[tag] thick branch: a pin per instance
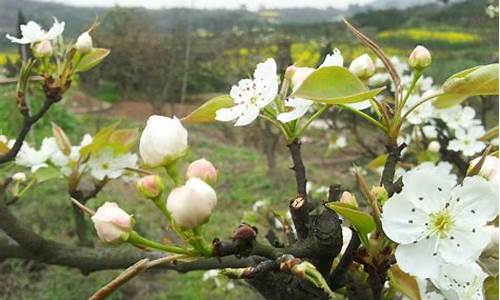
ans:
(299, 207)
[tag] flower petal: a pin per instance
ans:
(250, 113)
(402, 221)
(476, 200)
(418, 259)
(464, 243)
(427, 189)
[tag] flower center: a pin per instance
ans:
(441, 222)
(105, 166)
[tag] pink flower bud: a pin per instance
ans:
(150, 186)
(43, 48)
(113, 225)
(202, 169)
(348, 198)
(420, 58)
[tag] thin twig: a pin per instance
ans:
(131, 272)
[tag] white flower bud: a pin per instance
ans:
(113, 225)
(19, 177)
(362, 66)
(299, 75)
(420, 58)
(202, 169)
(489, 169)
(163, 141)
(492, 247)
(191, 204)
(84, 43)
(434, 147)
(43, 48)
(150, 186)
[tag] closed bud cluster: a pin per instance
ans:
(113, 224)
(150, 186)
(191, 204)
(420, 58)
(202, 169)
(362, 66)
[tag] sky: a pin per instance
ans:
(229, 4)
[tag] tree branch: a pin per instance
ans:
(299, 207)
(387, 180)
(27, 124)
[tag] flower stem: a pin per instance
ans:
(137, 239)
(173, 172)
(415, 77)
(364, 116)
(311, 119)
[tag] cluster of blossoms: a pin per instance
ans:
(251, 96)
(442, 229)
(40, 40)
(462, 129)
(189, 203)
(105, 164)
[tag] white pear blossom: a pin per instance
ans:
(163, 140)
(84, 43)
(19, 177)
(251, 95)
(333, 59)
(467, 140)
(32, 33)
(67, 163)
(434, 221)
(422, 113)
(36, 159)
(424, 287)
(191, 204)
(461, 282)
(106, 164)
(299, 107)
(459, 117)
(362, 66)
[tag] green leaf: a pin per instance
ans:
(100, 140)
(123, 140)
(479, 80)
(404, 283)
(91, 59)
(206, 112)
(377, 162)
(491, 288)
(334, 85)
(362, 221)
(46, 173)
(62, 140)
